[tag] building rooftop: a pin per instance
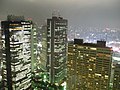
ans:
(98, 44)
(15, 18)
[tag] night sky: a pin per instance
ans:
(90, 13)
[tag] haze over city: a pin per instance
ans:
(88, 13)
(60, 45)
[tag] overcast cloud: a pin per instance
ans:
(78, 12)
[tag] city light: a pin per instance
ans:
(59, 45)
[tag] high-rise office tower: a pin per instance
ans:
(34, 44)
(40, 63)
(88, 65)
(116, 79)
(0, 50)
(43, 48)
(16, 38)
(0, 59)
(56, 49)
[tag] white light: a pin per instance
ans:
(64, 84)
(0, 78)
(116, 58)
(39, 45)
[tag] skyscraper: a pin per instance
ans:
(56, 49)
(0, 59)
(40, 72)
(116, 81)
(43, 48)
(34, 44)
(16, 38)
(89, 65)
(0, 49)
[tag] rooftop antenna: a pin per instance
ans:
(59, 13)
(54, 13)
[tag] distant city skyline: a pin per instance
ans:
(96, 13)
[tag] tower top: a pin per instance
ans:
(56, 13)
(15, 18)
